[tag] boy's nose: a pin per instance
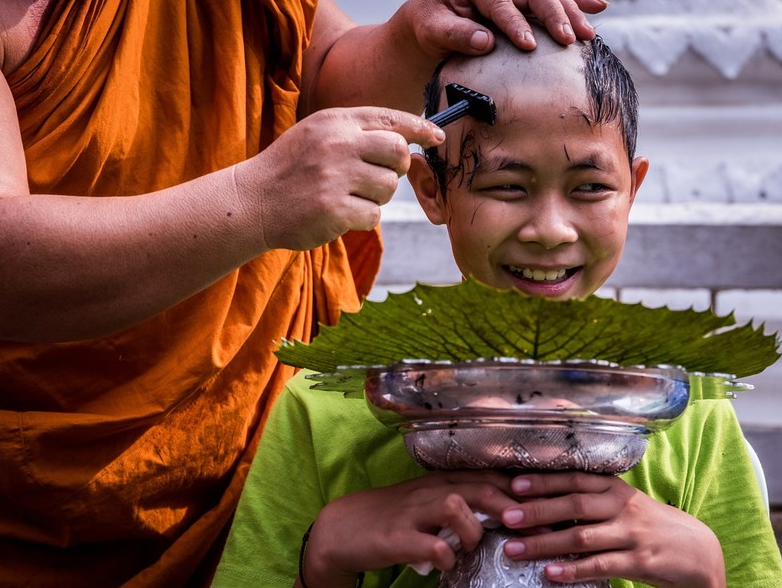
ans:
(550, 224)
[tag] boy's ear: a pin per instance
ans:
(421, 178)
(638, 173)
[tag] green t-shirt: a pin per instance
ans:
(318, 446)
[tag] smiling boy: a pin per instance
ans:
(539, 202)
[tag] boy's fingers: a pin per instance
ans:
(499, 479)
(557, 483)
(596, 567)
(462, 521)
(490, 500)
(442, 555)
(580, 507)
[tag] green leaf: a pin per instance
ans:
(471, 321)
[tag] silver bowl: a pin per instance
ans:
(514, 414)
(511, 414)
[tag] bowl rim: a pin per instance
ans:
(423, 408)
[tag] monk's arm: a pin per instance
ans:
(74, 267)
(77, 267)
(389, 64)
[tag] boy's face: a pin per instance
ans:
(542, 201)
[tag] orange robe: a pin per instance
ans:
(122, 459)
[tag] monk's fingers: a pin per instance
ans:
(386, 149)
(380, 158)
(592, 6)
(354, 213)
(508, 17)
(374, 183)
(566, 19)
(412, 128)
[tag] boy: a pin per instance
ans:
(540, 202)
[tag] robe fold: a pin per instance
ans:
(122, 458)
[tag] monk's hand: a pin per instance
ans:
(398, 524)
(329, 174)
(619, 531)
(442, 27)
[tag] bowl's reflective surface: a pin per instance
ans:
(500, 414)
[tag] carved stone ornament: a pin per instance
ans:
(725, 41)
(709, 76)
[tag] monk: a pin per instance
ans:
(177, 193)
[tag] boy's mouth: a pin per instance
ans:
(539, 275)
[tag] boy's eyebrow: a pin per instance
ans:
(590, 161)
(490, 164)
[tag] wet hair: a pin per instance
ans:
(610, 90)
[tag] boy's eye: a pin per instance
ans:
(592, 191)
(592, 187)
(504, 191)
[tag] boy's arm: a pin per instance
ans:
(280, 499)
(396, 524)
(619, 531)
(678, 526)
(319, 458)
(725, 495)
(389, 64)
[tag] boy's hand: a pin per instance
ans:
(398, 524)
(446, 26)
(622, 533)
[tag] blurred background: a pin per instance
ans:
(706, 229)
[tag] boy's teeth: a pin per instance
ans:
(539, 275)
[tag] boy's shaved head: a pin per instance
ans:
(508, 69)
(584, 79)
